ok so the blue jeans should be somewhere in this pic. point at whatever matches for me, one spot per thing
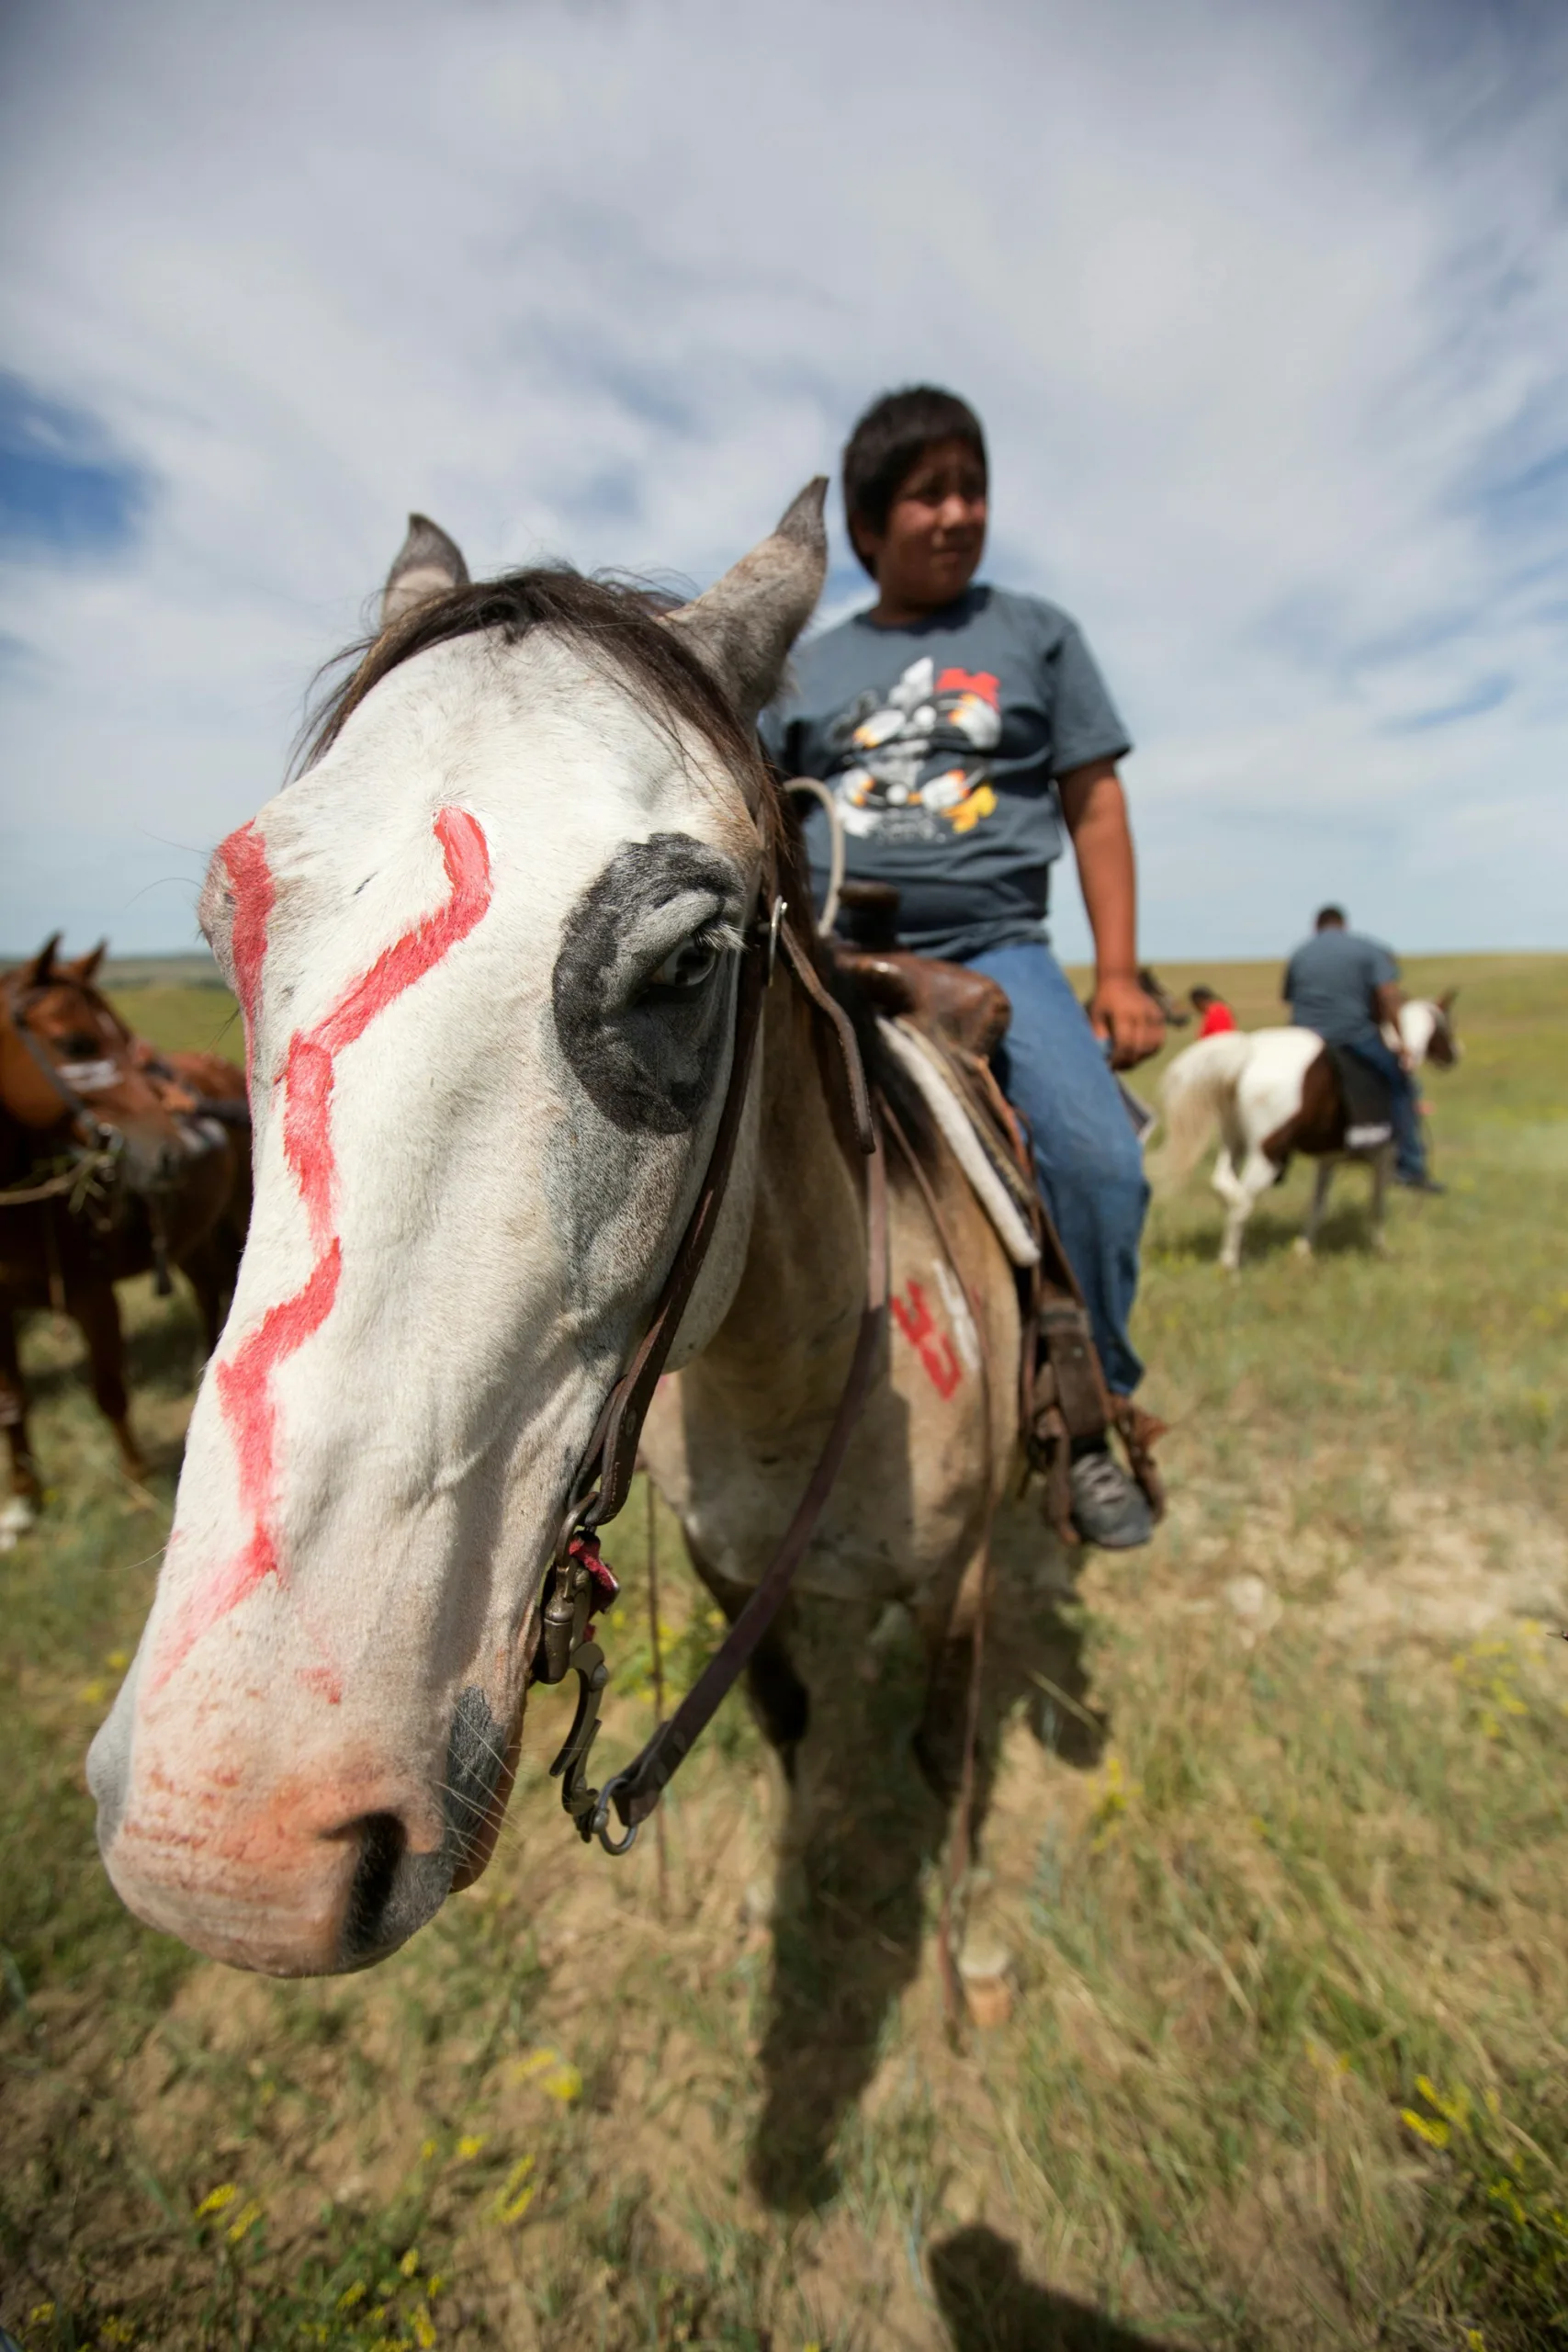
(1090, 1166)
(1409, 1152)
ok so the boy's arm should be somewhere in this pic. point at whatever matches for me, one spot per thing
(1095, 808)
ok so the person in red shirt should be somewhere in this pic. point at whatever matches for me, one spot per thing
(1217, 1016)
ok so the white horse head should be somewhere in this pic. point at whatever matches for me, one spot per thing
(485, 950)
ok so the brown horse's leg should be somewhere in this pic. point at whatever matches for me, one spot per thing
(25, 1482)
(97, 1309)
(778, 1696)
(202, 1271)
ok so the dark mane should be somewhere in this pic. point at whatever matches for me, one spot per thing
(618, 626)
(615, 624)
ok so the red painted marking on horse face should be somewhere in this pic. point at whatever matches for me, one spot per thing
(245, 1379)
(250, 878)
(934, 1348)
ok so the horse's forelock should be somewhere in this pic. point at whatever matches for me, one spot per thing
(617, 625)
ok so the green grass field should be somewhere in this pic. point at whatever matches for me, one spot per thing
(1277, 1853)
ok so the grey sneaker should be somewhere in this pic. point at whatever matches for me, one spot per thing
(1108, 1508)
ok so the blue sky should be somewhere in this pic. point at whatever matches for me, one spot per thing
(1266, 308)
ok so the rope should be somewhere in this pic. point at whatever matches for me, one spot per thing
(656, 1639)
(819, 793)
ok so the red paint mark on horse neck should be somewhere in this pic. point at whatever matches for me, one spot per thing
(245, 1379)
(250, 878)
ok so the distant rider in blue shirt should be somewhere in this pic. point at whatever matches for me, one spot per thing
(967, 736)
(1347, 989)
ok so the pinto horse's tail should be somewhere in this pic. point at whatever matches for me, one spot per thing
(1197, 1092)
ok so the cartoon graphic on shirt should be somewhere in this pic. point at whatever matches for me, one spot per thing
(911, 753)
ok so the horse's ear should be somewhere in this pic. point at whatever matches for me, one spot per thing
(1445, 1002)
(84, 970)
(742, 629)
(427, 564)
(39, 971)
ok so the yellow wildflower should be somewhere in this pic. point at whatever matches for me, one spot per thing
(1435, 2134)
(217, 2200)
(427, 2150)
(243, 2222)
(557, 2076)
(517, 2194)
(1456, 2110)
(434, 2283)
(424, 2328)
(469, 2146)
(118, 1659)
(41, 2315)
(352, 2295)
(410, 2263)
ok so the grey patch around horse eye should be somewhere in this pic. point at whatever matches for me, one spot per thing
(647, 1067)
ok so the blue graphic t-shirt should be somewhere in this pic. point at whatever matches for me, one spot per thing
(941, 744)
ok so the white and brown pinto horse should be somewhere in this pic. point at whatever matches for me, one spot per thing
(488, 948)
(1273, 1092)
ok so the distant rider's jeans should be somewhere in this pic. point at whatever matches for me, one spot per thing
(1051, 1069)
(1410, 1157)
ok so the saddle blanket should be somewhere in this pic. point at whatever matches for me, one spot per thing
(950, 1113)
(1369, 1112)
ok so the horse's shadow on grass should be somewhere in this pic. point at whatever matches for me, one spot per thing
(863, 1828)
(990, 2306)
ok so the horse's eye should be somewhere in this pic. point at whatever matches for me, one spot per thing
(692, 964)
(81, 1046)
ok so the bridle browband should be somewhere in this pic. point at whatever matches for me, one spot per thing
(579, 1583)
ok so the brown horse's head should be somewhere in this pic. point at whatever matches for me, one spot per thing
(70, 1071)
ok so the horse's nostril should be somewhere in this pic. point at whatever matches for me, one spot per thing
(393, 1893)
(382, 1844)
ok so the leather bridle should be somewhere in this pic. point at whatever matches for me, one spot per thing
(90, 1129)
(578, 1582)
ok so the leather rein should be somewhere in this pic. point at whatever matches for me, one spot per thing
(579, 1583)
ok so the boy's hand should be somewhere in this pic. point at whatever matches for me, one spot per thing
(1125, 1012)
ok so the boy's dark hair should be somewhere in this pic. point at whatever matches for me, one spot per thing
(890, 439)
(1330, 918)
(1202, 997)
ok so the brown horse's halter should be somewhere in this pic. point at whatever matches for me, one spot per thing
(579, 1581)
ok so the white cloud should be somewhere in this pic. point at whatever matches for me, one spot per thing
(1264, 309)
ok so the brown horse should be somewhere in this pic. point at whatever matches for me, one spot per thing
(113, 1162)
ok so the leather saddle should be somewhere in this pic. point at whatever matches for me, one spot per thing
(946, 1002)
(1366, 1097)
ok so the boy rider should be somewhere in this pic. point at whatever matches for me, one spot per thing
(962, 729)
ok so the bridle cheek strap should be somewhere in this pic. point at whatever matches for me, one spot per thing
(580, 1583)
(635, 1790)
(604, 1479)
